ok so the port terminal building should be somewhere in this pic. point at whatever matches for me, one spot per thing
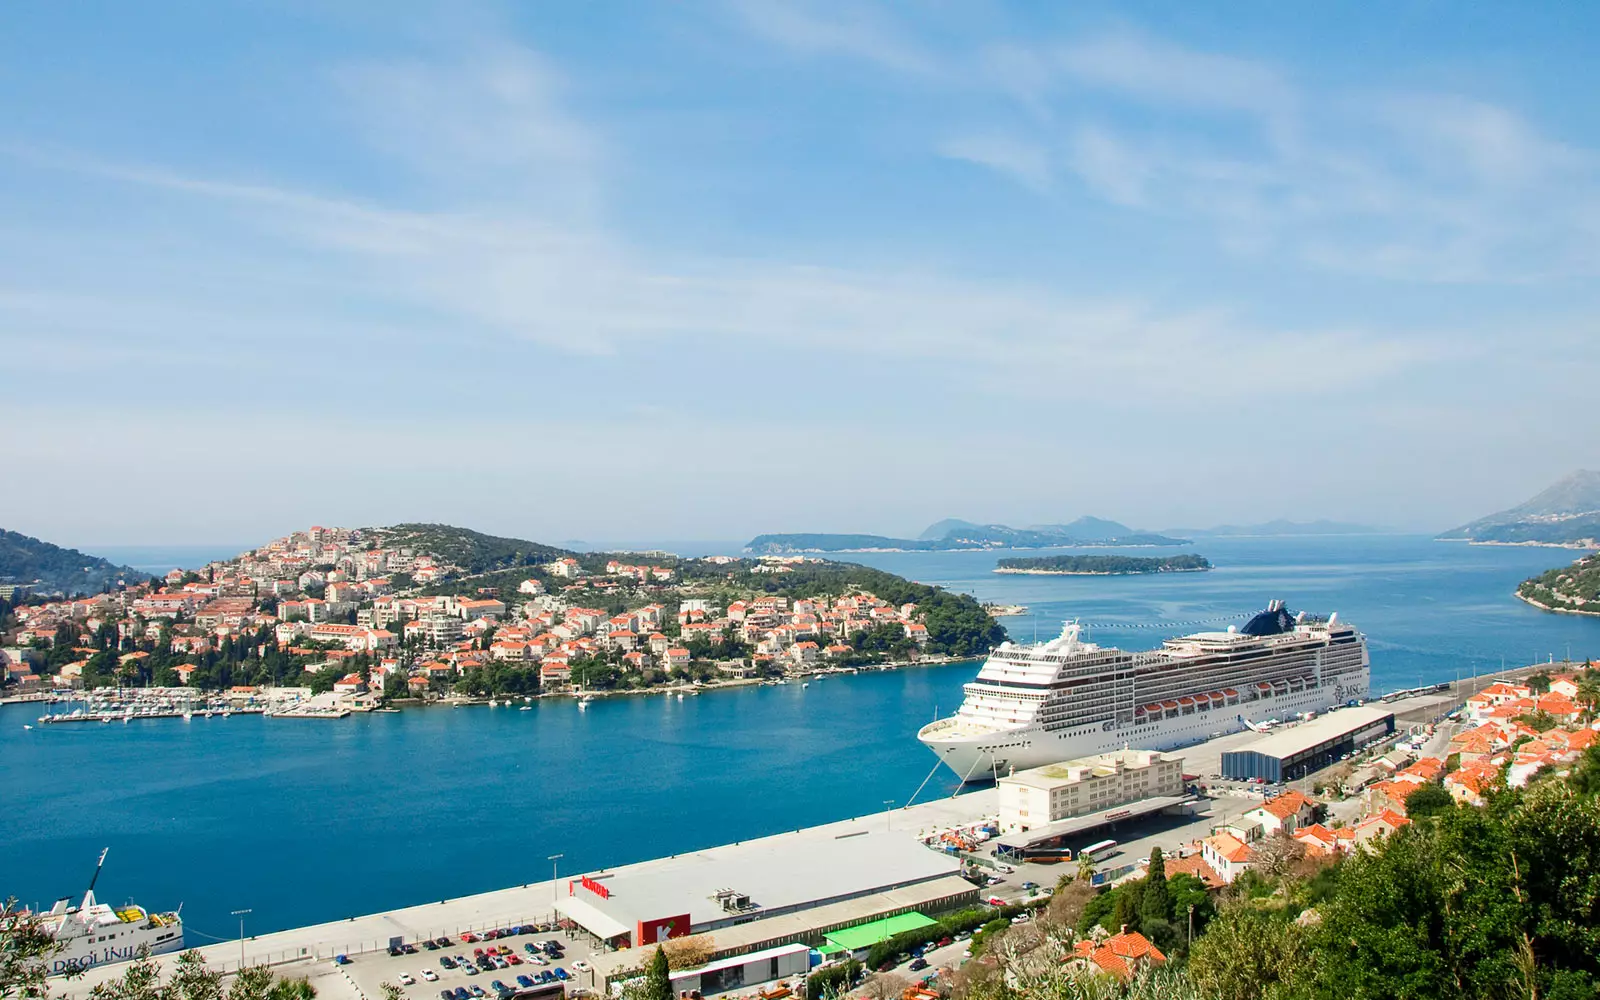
(1297, 751)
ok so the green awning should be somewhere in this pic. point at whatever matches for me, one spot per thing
(869, 934)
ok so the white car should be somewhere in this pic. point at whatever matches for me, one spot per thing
(538, 960)
(429, 975)
(581, 966)
(407, 980)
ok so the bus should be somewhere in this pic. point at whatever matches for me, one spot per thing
(1094, 852)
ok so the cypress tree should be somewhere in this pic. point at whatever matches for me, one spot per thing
(1157, 902)
(657, 983)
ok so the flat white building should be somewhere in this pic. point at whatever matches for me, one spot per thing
(1042, 795)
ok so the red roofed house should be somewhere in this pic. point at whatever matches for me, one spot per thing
(1228, 856)
(350, 684)
(1123, 955)
(1288, 812)
(677, 658)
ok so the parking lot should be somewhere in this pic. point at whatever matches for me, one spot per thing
(474, 966)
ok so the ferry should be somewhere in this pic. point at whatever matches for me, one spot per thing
(94, 933)
(1042, 703)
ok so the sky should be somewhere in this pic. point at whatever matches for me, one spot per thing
(704, 270)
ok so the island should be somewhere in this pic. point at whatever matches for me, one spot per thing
(954, 535)
(1103, 565)
(1568, 590)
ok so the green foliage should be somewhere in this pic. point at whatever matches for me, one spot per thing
(1428, 799)
(1157, 901)
(24, 560)
(1246, 953)
(657, 978)
(1115, 565)
(833, 981)
(472, 550)
(191, 979)
(1575, 587)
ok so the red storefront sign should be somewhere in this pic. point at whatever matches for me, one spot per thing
(660, 929)
(595, 887)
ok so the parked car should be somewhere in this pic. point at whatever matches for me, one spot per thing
(478, 991)
(561, 973)
(447, 961)
(538, 959)
(407, 980)
(394, 952)
(447, 995)
(409, 949)
(581, 966)
(531, 948)
(513, 959)
(526, 982)
(918, 964)
(442, 942)
(430, 975)
(341, 960)
(468, 937)
(462, 994)
(945, 942)
(431, 945)
(499, 987)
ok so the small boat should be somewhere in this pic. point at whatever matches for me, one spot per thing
(493, 703)
(680, 695)
(26, 726)
(806, 684)
(526, 708)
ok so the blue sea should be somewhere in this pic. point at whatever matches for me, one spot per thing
(311, 820)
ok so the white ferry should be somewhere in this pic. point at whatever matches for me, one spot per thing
(94, 933)
(1038, 704)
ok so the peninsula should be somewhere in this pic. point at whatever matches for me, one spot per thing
(1103, 565)
(1569, 590)
(337, 619)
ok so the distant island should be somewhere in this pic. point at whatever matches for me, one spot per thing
(954, 535)
(1566, 515)
(1573, 590)
(1103, 565)
(28, 565)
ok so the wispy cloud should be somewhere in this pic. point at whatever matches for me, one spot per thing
(1023, 161)
(856, 31)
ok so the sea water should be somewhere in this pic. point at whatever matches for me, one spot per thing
(311, 820)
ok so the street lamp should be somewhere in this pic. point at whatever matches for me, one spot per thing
(554, 859)
(241, 915)
(888, 814)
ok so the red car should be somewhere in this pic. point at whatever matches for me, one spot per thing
(514, 960)
(469, 937)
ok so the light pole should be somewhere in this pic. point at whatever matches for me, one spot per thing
(888, 814)
(241, 915)
(554, 860)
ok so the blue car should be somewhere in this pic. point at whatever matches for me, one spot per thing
(531, 948)
(462, 994)
(526, 982)
(561, 974)
(498, 986)
(447, 961)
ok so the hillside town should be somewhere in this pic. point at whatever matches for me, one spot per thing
(350, 613)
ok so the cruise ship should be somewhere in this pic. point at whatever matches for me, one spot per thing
(94, 933)
(1038, 704)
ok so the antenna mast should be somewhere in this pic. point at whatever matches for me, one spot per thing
(97, 866)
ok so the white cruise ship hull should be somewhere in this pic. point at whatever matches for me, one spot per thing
(83, 953)
(983, 756)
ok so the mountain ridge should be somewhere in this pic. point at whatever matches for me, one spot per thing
(1565, 513)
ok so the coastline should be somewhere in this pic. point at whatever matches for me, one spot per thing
(1558, 611)
(1583, 545)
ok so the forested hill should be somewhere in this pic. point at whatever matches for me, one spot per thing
(54, 569)
(1566, 588)
(957, 624)
(1104, 565)
(473, 551)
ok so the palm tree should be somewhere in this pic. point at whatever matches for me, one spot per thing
(1589, 693)
(1085, 868)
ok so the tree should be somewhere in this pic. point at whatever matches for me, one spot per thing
(689, 952)
(1428, 799)
(1086, 868)
(25, 952)
(657, 980)
(884, 986)
(1246, 952)
(1157, 903)
(1276, 855)
(1589, 693)
(1539, 682)
(192, 979)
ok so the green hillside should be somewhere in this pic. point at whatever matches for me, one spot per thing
(1111, 565)
(1571, 588)
(474, 551)
(53, 569)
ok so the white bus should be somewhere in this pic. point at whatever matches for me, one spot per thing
(1094, 852)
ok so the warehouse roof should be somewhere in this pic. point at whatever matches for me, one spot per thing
(1309, 735)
